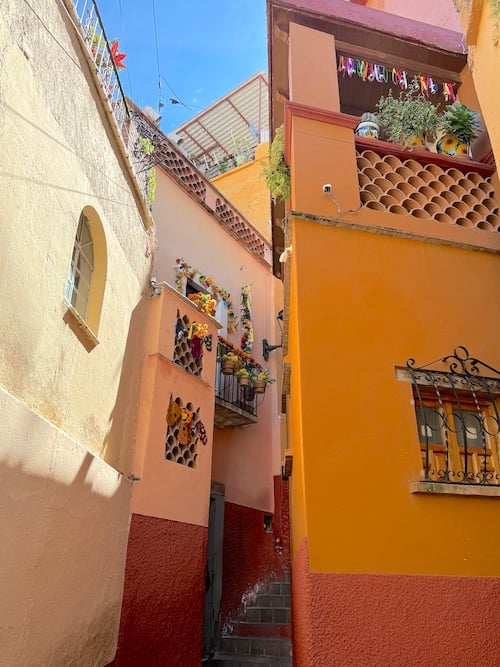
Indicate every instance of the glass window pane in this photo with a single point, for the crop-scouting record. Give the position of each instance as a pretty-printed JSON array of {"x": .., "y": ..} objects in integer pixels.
[
  {"x": 468, "y": 424},
  {"x": 430, "y": 425}
]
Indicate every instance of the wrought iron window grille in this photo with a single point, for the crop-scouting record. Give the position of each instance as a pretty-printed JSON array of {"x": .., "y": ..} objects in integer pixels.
[{"x": 456, "y": 405}]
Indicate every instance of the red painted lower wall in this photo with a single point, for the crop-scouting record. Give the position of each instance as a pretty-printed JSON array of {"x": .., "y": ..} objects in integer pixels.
[
  {"x": 162, "y": 611},
  {"x": 250, "y": 554},
  {"x": 357, "y": 620}
]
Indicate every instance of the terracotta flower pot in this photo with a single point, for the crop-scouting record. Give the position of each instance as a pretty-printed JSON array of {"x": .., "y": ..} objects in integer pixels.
[
  {"x": 260, "y": 386},
  {"x": 244, "y": 380},
  {"x": 227, "y": 367}
]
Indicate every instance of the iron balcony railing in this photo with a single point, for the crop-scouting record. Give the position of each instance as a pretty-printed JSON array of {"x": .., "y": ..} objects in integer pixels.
[
  {"x": 228, "y": 387},
  {"x": 458, "y": 419},
  {"x": 104, "y": 55}
]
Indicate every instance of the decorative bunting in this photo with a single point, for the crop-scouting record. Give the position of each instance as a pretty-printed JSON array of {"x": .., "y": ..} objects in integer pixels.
[{"x": 381, "y": 74}]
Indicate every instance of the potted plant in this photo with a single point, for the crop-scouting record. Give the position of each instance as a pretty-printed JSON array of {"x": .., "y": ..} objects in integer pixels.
[
  {"x": 368, "y": 126},
  {"x": 229, "y": 362},
  {"x": 410, "y": 119},
  {"x": 244, "y": 376},
  {"x": 460, "y": 126},
  {"x": 261, "y": 380}
]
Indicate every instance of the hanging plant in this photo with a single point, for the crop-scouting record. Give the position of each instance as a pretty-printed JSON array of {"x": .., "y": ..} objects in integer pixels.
[
  {"x": 184, "y": 270},
  {"x": 246, "y": 320},
  {"x": 276, "y": 172}
]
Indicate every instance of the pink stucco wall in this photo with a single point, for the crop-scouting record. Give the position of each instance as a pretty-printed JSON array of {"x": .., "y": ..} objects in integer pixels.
[
  {"x": 440, "y": 13},
  {"x": 186, "y": 230},
  {"x": 358, "y": 620}
]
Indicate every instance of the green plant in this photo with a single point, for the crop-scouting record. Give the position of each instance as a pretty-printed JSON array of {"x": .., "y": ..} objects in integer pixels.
[
  {"x": 405, "y": 116},
  {"x": 462, "y": 122},
  {"x": 147, "y": 147},
  {"x": 276, "y": 172},
  {"x": 264, "y": 375}
]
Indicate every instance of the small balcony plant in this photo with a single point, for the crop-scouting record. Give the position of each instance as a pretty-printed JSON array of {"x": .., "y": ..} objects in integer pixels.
[
  {"x": 460, "y": 126},
  {"x": 229, "y": 363},
  {"x": 244, "y": 375},
  {"x": 261, "y": 379},
  {"x": 409, "y": 120}
]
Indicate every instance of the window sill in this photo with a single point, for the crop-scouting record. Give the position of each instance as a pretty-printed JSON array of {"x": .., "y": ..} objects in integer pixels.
[
  {"x": 80, "y": 328},
  {"x": 455, "y": 489}
]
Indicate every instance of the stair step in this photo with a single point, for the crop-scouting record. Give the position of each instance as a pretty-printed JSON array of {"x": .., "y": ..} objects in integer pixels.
[
  {"x": 230, "y": 660},
  {"x": 249, "y": 629},
  {"x": 258, "y": 646},
  {"x": 267, "y": 615},
  {"x": 269, "y": 600}
]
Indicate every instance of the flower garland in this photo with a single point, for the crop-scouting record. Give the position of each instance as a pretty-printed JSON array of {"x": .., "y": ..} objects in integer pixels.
[
  {"x": 184, "y": 270},
  {"x": 246, "y": 320},
  {"x": 382, "y": 74}
]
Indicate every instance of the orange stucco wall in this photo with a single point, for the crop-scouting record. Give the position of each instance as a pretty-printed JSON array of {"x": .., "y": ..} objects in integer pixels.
[
  {"x": 168, "y": 489},
  {"x": 245, "y": 187},
  {"x": 310, "y": 64},
  {"x": 374, "y": 302}
]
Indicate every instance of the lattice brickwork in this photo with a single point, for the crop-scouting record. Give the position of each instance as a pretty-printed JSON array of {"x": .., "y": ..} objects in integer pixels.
[
  {"x": 237, "y": 226},
  {"x": 427, "y": 191},
  {"x": 182, "y": 348},
  {"x": 181, "y": 445}
]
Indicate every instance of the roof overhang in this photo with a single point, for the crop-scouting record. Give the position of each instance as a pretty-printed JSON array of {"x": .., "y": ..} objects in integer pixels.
[{"x": 362, "y": 33}]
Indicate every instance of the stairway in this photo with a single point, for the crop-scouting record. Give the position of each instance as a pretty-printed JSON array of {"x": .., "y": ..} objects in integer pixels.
[{"x": 263, "y": 636}]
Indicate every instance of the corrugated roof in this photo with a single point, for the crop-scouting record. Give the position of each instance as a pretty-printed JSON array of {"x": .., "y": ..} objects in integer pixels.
[{"x": 235, "y": 123}]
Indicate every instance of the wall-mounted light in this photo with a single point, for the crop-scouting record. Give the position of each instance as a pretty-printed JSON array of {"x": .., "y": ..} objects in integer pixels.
[
  {"x": 266, "y": 348},
  {"x": 154, "y": 287}
]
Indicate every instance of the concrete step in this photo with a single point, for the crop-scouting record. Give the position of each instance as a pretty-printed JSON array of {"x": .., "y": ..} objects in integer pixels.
[
  {"x": 273, "y": 647},
  {"x": 269, "y": 600},
  {"x": 267, "y": 615},
  {"x": 230, "y": 660},
  {"x": 248, "y": 629}
]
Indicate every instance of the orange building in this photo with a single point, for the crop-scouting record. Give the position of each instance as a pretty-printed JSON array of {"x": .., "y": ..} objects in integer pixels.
[{"x": 391, "y": 256}]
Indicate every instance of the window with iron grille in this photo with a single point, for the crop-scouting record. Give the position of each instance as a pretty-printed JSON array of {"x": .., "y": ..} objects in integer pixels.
[
  {"x": 79, "y": 278},
  {"x": 457, "y": 413}
]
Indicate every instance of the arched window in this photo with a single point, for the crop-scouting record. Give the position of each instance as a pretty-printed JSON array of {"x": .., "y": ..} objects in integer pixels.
[
  {"x": 84, "y": 291},
  {"x": 81, "y": 269}
]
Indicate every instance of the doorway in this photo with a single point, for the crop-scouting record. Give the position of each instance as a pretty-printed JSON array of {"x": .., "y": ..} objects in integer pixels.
[{"x": 213, "y": 582}]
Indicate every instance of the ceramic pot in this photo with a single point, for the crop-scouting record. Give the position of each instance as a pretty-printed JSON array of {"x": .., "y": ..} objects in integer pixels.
[
  {"x": 227, "y": 367},
  {"x": 368, "y": 127},
  {"x": 260, "y": 386},
  {"x": 449, "y": 144}
]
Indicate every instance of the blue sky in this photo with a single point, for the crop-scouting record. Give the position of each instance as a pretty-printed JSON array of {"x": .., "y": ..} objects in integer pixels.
[{"x": 204, "y": 50}]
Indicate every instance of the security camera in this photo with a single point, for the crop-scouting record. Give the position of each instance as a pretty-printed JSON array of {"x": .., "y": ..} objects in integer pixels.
[{"x": 327, "y": 188}]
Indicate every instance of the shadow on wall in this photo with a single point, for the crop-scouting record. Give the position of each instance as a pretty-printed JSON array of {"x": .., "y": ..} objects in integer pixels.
[
  {"x": 119, "y": 443},
  {"x": 64, "y": 527}
]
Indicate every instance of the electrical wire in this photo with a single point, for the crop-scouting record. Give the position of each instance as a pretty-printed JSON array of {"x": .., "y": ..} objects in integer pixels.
[{"x": 160, "y": 101}]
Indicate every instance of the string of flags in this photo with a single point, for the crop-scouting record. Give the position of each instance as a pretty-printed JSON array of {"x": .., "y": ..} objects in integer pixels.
[{"x": 366, "y": 71}]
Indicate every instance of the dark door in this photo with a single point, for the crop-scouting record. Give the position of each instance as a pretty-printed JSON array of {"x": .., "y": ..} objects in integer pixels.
[{"x": 213, "y": 585}]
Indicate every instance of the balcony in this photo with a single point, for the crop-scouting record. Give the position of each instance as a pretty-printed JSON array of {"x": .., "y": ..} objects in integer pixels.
[
  {"x": 236, "y": 403},
  {"x": 105, "y": 62},
  {"x": 426, "y": 186}
]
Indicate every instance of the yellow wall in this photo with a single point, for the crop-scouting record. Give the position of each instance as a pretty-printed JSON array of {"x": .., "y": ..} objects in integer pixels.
[
  {"x": 246, "y": 189},
  {"x": 64, "y": 410}
]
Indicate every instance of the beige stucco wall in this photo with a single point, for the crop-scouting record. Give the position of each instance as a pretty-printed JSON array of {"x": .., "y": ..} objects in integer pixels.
[
  {"x": 63, "y": 538},
  {"x": 63, "y": 409},
  {"x": 56, "y": 158}
]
